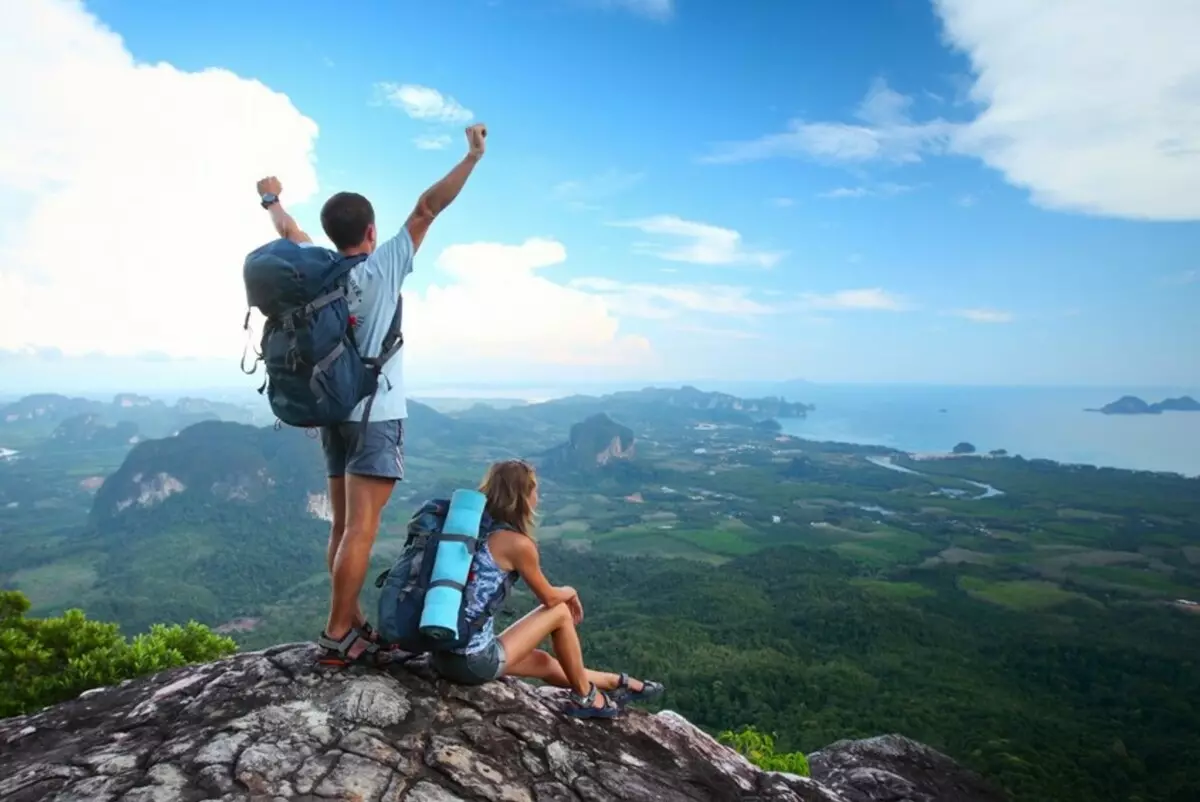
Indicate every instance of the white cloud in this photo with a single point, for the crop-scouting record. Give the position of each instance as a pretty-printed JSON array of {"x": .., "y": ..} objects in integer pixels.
[
  {"x": 884, "y": 132},
  {"x": 128, "y": 190},
  {"x": 423, "y": 103},
  {"x": 1091, "y": 105},
  {"x": 873, "y": 298},
  {"x": 488, "y": 303},
  {"x": 782, "y": 203},
  {"x": 881, "y": 191},
  {"x": 704, "y": 244},
  {"x": 984, "y": 315},
  {"x": 667, "y": 301},
  {"x": 432, "y": 141},
  {"x": 968, "y": 200}
]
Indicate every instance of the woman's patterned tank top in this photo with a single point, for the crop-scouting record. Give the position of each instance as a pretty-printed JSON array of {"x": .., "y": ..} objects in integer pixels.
[{"x": 485, "y": 586}]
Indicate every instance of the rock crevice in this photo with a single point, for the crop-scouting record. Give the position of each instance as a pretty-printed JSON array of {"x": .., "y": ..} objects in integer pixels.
[{"x": 272, "y": 726}]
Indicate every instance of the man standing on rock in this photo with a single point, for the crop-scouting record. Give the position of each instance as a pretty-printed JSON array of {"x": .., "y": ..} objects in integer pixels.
[{"x": 361, "y": 478}]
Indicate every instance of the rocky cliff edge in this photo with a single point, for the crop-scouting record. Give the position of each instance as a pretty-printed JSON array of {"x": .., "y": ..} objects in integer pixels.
[{"x": 272, "y": 726}]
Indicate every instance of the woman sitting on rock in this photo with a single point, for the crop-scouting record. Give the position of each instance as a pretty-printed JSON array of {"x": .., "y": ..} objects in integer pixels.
[{"x": 510, "y": 553}]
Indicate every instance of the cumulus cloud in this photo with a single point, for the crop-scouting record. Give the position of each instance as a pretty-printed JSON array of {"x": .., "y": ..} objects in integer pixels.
[
  {"x": 432, "y": 141},
  {"x": 1091, "y": 105},
  {"x": 872, "y": 298},
  {"x": 702, "y": 243},
  {"x": 128, "y": 189},
  {"x": 489, "y": 303},
  {"x": 984, "y": 315},
  {"x": 423, "y": 103},
  {"x": 667, "y": 301}
]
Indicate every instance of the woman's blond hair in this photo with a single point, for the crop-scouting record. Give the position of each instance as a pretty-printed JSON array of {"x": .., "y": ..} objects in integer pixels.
[{"x": 509, "y": 487}]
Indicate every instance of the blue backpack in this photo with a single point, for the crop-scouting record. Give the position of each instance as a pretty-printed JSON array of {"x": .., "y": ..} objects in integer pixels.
[
  {"x": 315, "y": 373},
  {"x": 404, "y": 615}
]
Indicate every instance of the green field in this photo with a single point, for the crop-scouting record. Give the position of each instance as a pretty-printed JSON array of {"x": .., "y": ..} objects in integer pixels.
[
  {"x": 894, "y": 590},
  {"x": 1026, "y": 595}
]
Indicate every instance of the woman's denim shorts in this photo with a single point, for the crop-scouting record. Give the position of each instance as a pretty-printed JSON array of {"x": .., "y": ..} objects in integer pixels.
[{"x": 476, "y": 668}]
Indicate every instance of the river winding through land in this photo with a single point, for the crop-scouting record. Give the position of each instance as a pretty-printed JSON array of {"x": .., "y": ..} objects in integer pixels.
[{"x": 886, "y": 462}]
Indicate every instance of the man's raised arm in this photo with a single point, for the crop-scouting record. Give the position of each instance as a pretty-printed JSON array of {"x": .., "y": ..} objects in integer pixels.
[
  {"x": 269, "y": 189},
  {"x": 434, "y": 200}
]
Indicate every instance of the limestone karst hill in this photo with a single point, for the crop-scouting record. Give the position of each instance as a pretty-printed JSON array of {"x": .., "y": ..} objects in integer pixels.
[{"x": 271, "y": 726}]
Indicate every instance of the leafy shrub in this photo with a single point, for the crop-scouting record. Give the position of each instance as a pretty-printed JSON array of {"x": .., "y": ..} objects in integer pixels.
[
  {"x": 44, "y": 661},
  {"x": 759, "y": 749}
]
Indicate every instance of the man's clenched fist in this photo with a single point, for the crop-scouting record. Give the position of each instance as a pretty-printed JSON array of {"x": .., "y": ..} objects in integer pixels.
[
  {"x": 476, "y": 136},
  {"x": 269, "y": 186}
]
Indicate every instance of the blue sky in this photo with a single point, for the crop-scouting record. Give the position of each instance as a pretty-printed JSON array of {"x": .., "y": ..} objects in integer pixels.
[{"x": 895, "y": 190}]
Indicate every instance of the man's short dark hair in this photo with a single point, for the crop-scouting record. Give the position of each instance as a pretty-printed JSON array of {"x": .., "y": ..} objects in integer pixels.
[{"x": 345, "y": 218}]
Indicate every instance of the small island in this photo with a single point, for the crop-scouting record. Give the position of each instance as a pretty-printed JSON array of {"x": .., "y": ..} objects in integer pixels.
[
  {"x": 964, "y": 448},
  {"x": 1132, "y": 405}
]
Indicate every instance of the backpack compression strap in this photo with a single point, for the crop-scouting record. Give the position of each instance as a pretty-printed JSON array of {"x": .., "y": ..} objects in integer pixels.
[{"x": 393, "y": 341}]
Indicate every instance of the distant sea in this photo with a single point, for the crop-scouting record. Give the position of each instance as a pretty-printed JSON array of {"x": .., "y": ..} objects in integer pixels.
[{"x": 1047, "y": 423}]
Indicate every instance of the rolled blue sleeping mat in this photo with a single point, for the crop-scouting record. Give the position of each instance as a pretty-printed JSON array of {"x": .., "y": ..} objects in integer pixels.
[{"x": 452, "y": 565}]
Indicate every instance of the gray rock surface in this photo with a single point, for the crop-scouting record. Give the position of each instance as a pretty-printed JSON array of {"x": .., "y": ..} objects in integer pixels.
[
  {"x": 272, "y": 726},
  {"x": 890, "y": 768}
]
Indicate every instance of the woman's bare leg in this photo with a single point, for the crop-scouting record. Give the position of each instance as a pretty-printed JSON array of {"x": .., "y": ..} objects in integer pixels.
[
  {"x": 544, "y": 666},
  {"x": 522, "y": 639}
]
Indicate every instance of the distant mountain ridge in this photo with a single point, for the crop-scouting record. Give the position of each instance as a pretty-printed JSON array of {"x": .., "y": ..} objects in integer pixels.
[
  {"x": 42, "y": 413},
  {"x": 689, "y": 397},
  {"x": 1132, "y": 405},
  {"x": 88, "y": 429},
  {"x": 651, "y": 407}
]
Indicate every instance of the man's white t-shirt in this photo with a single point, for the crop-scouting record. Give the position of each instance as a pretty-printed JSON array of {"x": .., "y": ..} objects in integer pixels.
[{"x": 373, "y": 288}]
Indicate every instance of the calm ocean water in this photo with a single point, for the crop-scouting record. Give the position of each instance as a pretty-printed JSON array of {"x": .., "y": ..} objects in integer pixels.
[{"x": 1033, "y": 422}]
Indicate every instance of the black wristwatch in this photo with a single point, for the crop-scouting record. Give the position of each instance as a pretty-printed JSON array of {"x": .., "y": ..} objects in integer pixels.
[{"x": 269, "y": 198}]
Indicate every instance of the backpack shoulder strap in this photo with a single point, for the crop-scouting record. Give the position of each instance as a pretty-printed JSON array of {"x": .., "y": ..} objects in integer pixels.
[
  {"x": 393, "y": 341},
  {"x": 342, "y": 265}
]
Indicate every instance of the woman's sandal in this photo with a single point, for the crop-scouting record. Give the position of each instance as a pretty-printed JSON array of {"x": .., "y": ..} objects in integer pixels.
[
  {"x": 337, "y": 653},
  {"x": 585, "y": 706},
  {"x": 650, "y": 690}
]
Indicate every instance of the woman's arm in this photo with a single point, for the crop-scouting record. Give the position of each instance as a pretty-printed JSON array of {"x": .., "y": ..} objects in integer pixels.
[{"x": 521, "y": 553}]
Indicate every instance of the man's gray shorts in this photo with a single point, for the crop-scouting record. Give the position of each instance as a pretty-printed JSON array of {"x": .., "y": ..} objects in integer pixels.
[{"x": 381, "y": 453}]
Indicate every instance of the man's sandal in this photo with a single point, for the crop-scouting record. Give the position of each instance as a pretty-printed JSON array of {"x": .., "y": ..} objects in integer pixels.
[
  {"x": 585, "y": 706},
  {"x": 354, "y": 649},
  {"x": 370, "y": 633},
  {"x": 650, "y": 690}
]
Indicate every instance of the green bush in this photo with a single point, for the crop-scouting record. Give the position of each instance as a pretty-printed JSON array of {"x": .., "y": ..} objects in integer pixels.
[
  {"x": 44, "y": 661},
  {"x": 759, "y": 749}
]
